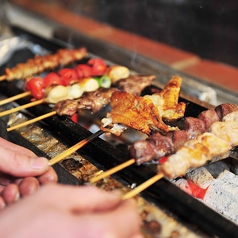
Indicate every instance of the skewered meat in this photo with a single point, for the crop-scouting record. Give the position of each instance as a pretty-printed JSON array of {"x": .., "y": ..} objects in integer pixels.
[
  {"x": 146, "y": 113},
  {"x": 156, "y": 146},
  {"x": 211, "y": 116},
  {"x": 98, "y": 99},
  {"x": 92, "y": 100},
  {"x": 48, "y": 62},
  {"x": 219, "y": 140},
  {"x": 135, "y": 84}
]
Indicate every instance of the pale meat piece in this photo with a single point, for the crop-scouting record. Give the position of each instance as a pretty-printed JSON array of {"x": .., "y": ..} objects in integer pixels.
[
  {"x": 226, "y": 130},
  {"x": 233, "y": 116},
  {"x": 193, "y": 154},
  {"x": 147, "y": 113},
  {"x": 177, "y": 164},
  {"x": 216, "y": 145}
]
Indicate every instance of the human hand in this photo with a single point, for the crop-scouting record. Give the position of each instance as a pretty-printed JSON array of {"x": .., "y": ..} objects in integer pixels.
[
  {"x": 68, "y": 211},
  {"x": 21, "y": 172}
]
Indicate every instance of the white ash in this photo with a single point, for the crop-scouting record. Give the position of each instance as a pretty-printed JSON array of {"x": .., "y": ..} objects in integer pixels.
[
  {"x": 182, "y": 183},
  {"x": 201, "y": 177},
  {"x": 222, "y": 195}
]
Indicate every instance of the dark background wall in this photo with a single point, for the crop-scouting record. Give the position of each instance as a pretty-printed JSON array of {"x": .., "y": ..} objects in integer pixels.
[{"x": 206, "y": 28}]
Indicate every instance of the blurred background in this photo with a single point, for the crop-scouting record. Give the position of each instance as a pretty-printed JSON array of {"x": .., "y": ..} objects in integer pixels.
[{"x": 206, "y": 28}]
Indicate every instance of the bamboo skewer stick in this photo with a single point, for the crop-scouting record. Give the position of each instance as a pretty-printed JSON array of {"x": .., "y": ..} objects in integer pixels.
[
  {"x": 112, "y": 171},
  {"x": 31, "y": 121},
  {"x": 13, "y": 98},
  {"x": 74, "y": 148},
  {"x": 16, "y": 109},
  {"x": 2, "y": 77},
  {"x": 143, "y": 186}
]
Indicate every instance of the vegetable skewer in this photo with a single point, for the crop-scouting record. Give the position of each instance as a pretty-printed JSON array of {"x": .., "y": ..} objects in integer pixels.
[{"x": 66, "y": 76}]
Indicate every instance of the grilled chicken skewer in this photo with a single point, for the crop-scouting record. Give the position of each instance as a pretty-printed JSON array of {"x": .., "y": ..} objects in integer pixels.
[{"x": 40, "y": 63}]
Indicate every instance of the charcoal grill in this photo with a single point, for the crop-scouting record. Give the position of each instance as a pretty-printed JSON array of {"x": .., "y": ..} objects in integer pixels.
[{"x": 164, "y": 195}]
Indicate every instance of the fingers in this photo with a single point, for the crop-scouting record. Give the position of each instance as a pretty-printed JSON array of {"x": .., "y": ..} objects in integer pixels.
[
  {"x": 10, "y": 194},
  {"x": 28, "y": 186},
  {"x": 120, "y": 222},
  {"x": 11, "y": 146},
  {"x": 77, "y": 201},
  {"x": 61, "y": 206},
  {"x": 2, "y": 203},
  {"x": 21, "y": 165},
  {"x": 49, "y": 177}
]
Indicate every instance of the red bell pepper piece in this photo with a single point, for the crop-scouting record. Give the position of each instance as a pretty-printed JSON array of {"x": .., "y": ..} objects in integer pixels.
[
  {"x": 83, "y": 71},
  {"x": 36, "y": 86},
  {"x": 52, "y": 79},
  {"x": 68, "y": 75},
  {"x": 98, "y": 66}
]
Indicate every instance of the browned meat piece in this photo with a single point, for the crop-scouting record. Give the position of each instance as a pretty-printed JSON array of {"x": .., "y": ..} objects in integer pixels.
[
  {"x": 194, "y": 127},
  {"x": 208, "y": 117},
  {"x": 136, "y": 112},
  {"x": 147, "y": 113},
  {"x": 96, "y": 100},
  {"x": 66, "y": 107},
  {"x": 224, "y": 109},
  {"x": 135, "y": 84},
  {"x": 48, "y": 62},
  {"x": 156, "y": 146},
  {"x": 172, "y": 110},
  {"x": 92, "y": 100}
]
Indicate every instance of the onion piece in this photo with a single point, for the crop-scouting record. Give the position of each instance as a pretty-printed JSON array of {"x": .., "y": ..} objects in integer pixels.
[
  {"x": 117, "y": 72},
  {"x": 75, "y": 90},
  {"x": 56, "y": 93},
  {"x": 89, "y": 84}
]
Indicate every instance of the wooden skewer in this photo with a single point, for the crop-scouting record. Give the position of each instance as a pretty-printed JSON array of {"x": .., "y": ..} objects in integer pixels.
[
  {"x": 74, "y": 148},
  {"x": 2, "y": 77},
  {"x": 31, "y": 121},
  {"x": 143, "y": 186},
  {"x": 16, "y": 109},
  {"x": 112, "y": 171},
  {"x": 18, "y": 96}
]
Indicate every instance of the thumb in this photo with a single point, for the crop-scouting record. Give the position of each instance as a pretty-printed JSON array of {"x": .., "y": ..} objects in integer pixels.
[{"x": 18, "y": 164}]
